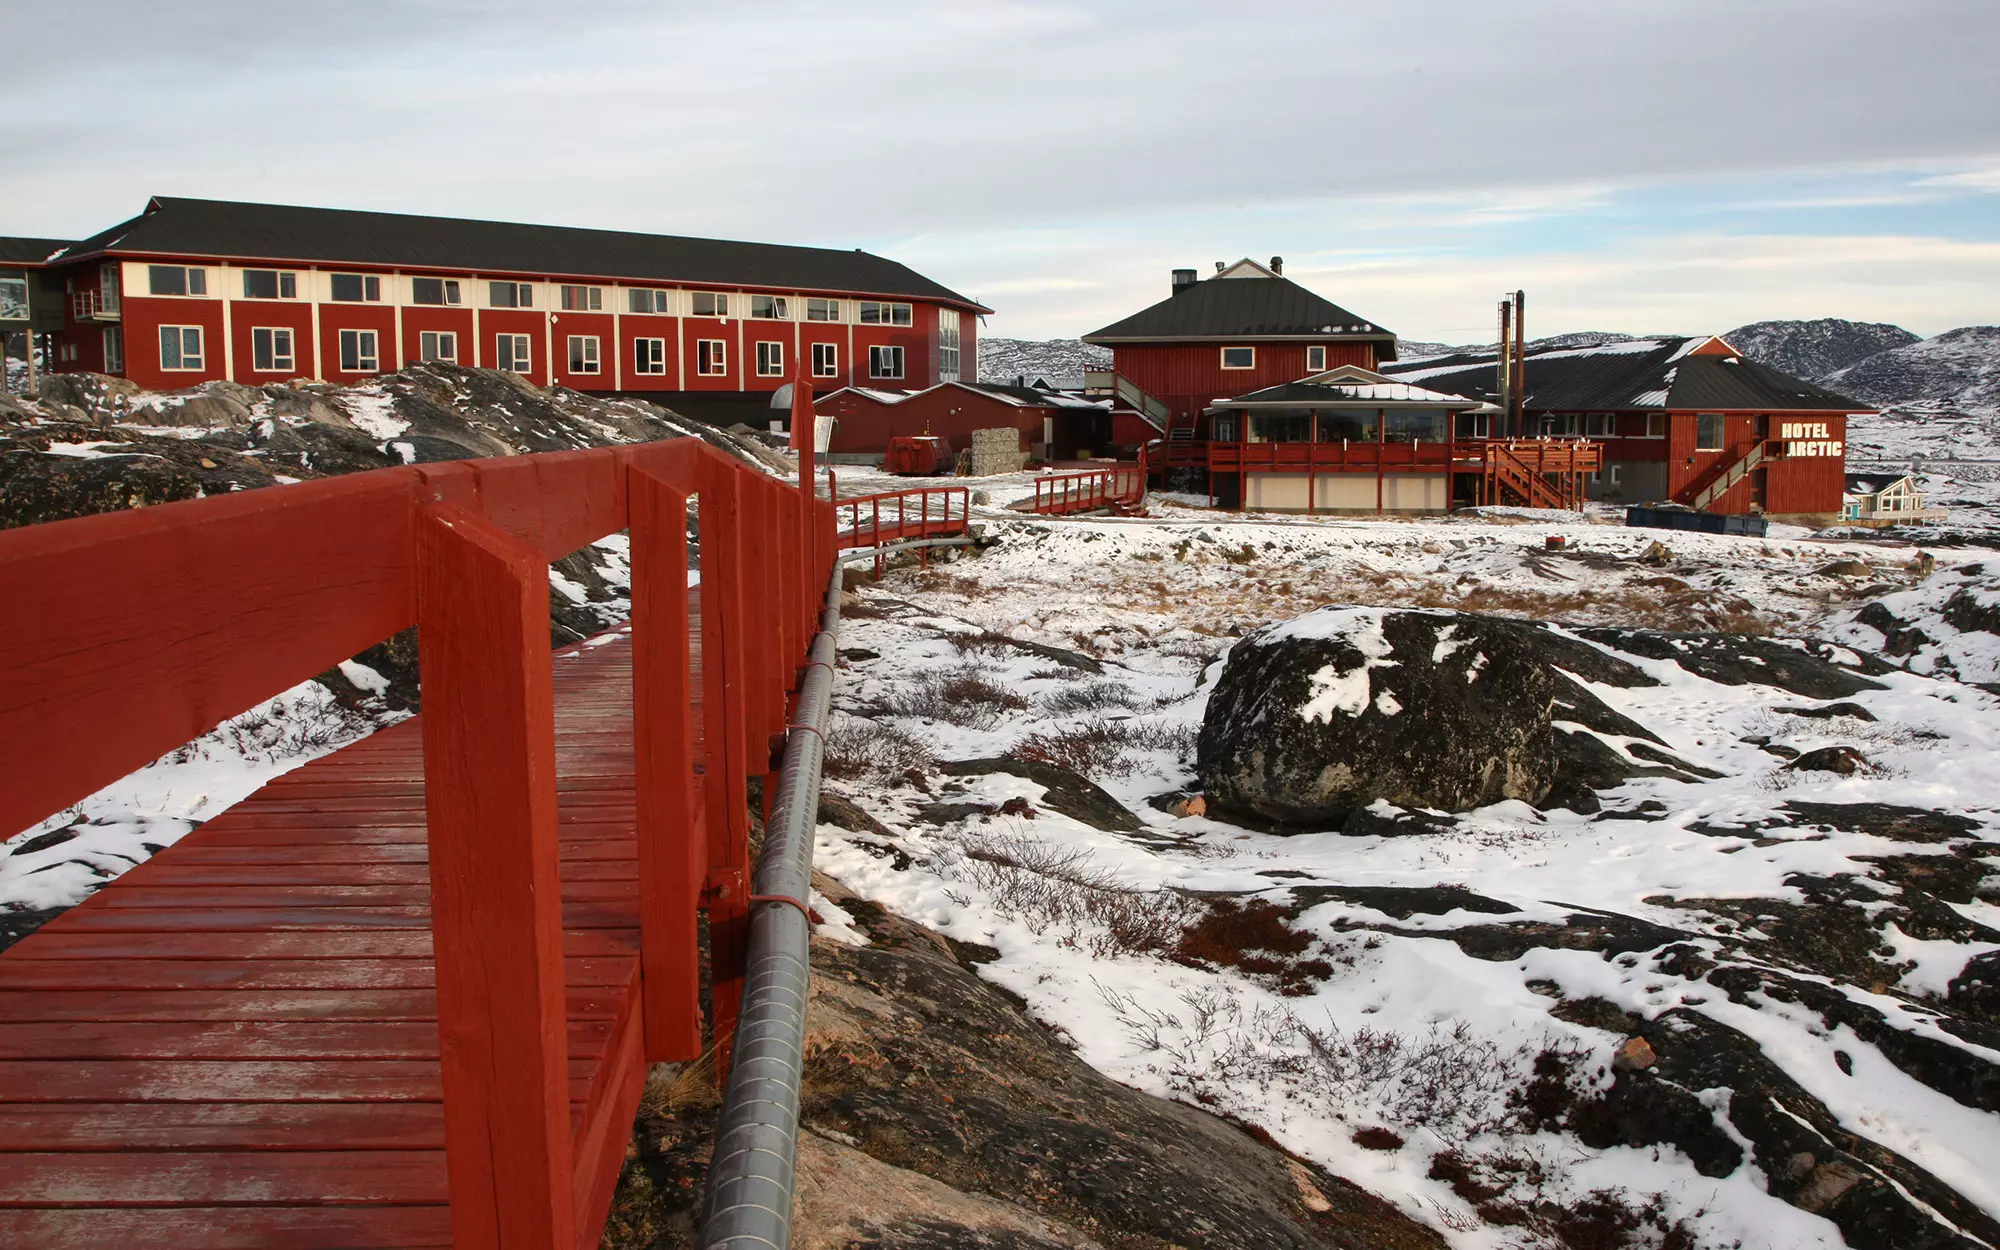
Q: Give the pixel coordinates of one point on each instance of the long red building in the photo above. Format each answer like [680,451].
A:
[195,290]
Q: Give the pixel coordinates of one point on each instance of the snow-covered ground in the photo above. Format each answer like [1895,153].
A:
[1384,1041]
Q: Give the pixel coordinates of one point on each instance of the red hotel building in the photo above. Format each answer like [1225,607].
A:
[195,290]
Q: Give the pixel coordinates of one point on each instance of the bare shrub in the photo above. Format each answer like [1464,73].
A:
[958,696]
[865,750]
[1062,890]
[291,725]
[1101,747]
[1094,696]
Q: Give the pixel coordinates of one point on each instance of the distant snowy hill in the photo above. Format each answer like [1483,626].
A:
[1814,349]
[1058,360]
[1956,372]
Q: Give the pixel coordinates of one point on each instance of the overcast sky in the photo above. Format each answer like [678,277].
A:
[1634,165]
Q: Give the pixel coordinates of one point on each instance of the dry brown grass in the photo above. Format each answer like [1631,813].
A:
[675,1089]
[1100,747]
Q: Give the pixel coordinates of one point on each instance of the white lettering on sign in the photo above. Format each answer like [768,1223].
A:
[1804,429]
[1815,447]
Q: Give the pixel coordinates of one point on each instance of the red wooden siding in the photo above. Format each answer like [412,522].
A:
[1188,377]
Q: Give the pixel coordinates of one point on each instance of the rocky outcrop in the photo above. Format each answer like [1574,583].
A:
[1813,349]
[938,1113]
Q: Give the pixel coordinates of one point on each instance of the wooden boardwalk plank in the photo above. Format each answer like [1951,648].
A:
[228,1228]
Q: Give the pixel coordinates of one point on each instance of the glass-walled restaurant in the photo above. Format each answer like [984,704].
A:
[1335,425]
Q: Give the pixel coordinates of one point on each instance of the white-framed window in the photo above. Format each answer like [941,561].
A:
[711,304]
[1472,425]
[270,284]
[114,349]
[180,348]
[1656,425]
[875,313]
[360,351]
[13,299]
[770,308]
[948,344]
[643,300]
[438,345]
[770,360]
[513,353]
[1600,425]
[1708,431]
[355,288]
[1316,358]
[1239,358]
[711,357]
[822,309]
[510,295]
[826,360]
[649,356]
[583,353]
[271,349]
[176,280]
[885,362]
[582,298]
[437,291]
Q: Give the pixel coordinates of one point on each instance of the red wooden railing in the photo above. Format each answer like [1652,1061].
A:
[1122,486]
[132,633]
[901,516]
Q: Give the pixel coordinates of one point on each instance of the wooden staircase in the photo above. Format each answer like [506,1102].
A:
[1723,476]
[1511,479]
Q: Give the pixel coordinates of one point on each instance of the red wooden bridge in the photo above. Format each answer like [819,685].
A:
[405,995]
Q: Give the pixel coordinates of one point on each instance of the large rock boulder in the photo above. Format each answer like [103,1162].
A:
[1314,718]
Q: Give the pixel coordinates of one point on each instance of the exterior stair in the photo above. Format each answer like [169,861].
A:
[1723,476]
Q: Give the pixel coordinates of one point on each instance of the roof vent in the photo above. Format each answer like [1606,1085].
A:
[1278,265]
[1221,265]
[1183,279]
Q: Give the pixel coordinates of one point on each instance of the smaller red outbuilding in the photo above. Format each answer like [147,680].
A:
[1053,426]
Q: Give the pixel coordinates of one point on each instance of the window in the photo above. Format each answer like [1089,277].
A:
[711,357]
[1239,358]
[269,284]
[770,307]
[874,314]
[711,304]
[1472,424]
[583,357]
[271,350]
[358,351]
[1708,431]
[176,280]
[180,347]
[770,360]
[1656,425]
[885,362]
[510,295]
[13,299]
[434,291]
[649,356]
[511,353]
[948,344]
[822,310]
[826,360]
[1316,359]
[582,298]
[355,288]
[643,301]
[114,349]
[440,345]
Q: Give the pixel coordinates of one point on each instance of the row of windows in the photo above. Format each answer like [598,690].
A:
[272,351]
[357,288]
[1246,358]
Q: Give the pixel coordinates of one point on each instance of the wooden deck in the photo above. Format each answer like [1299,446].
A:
[235,1044]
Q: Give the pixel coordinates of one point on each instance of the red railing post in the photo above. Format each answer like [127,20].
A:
[496,905]
[672,857]
[725,705]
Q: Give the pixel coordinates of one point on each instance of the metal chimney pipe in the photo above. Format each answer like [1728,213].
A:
[1519,373]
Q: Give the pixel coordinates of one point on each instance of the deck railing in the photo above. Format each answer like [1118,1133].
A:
[901,515]
[1063,494]
[134,632]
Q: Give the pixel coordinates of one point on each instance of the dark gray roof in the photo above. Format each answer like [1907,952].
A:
[24,251]
[1639,374]
[1241,308]
[277,232]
